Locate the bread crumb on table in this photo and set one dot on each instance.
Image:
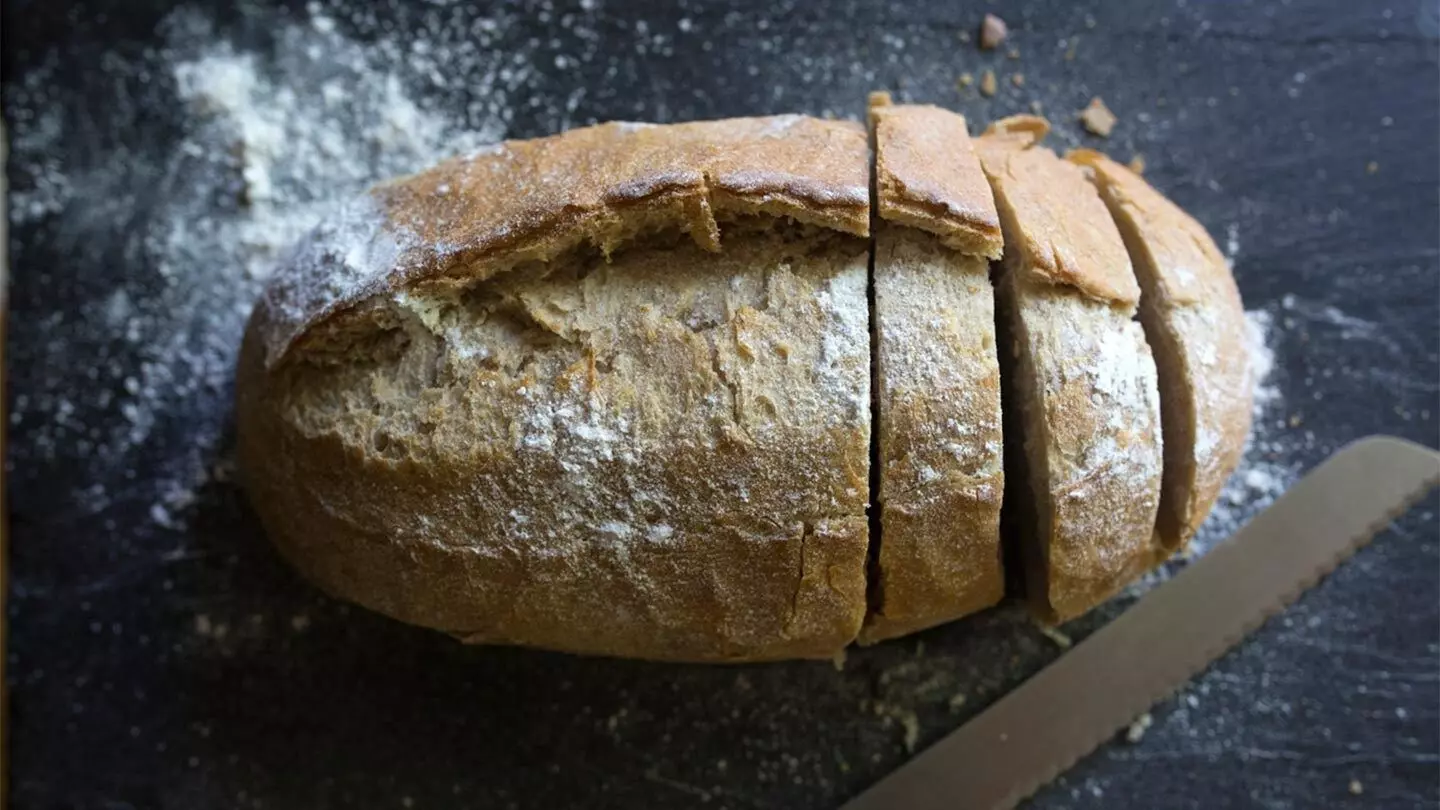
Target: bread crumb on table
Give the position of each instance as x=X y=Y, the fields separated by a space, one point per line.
x=965 y=80
x=1061 y=640
x=1372 y=167
x=987 y=84
x=1098 y=119
x=1137 y=729
x=1137 y=164
x=1356 y=788
x=993 y=31
x=1018 y=79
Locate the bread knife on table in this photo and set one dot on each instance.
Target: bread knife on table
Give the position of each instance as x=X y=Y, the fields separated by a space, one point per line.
x=1072 y=706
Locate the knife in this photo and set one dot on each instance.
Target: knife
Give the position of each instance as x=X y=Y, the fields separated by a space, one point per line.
x=1040 y=729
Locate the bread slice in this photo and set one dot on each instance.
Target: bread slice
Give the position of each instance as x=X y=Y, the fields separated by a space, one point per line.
x=940 y=473
x=1080 y=380
x=1195 y=324
x=605 y=392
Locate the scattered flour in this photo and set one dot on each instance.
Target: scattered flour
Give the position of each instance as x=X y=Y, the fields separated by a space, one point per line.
x=1262 y=475
x=275 y=127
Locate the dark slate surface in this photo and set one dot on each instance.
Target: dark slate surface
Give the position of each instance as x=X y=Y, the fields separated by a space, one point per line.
x=1262 y=120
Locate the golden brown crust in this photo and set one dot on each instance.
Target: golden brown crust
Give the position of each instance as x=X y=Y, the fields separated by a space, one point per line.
x=1195 y=321
x=1066 y=234
x=474 y=217
x=1083 y=379
x=927 y=176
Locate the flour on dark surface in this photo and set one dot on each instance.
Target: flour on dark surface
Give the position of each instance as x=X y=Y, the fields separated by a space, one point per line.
x=161 y=655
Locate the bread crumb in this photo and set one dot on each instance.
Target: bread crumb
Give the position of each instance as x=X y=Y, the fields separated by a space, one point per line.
x=1372 y=167
x=1137 y=164
x=911 y=724
x=987 y=84
x=1137 y=729
x=1036 y=107
x=1017 y=79
x=1061 y=640
x=1070 y=51
x=1098 y=119
x=1013 y=53
x=965 y=80
x=1356 y=788
x=299 y=622
x=957 y=701
x=993 y=31
x=965 y=36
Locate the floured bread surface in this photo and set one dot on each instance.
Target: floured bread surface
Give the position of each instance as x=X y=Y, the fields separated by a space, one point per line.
x=1196 y=324
x=605 y=392
x=1082 y=377
x=662 y=456
x=940 y=478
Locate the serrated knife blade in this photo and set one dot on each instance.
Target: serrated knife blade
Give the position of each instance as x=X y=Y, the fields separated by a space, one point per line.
x=1040 y=729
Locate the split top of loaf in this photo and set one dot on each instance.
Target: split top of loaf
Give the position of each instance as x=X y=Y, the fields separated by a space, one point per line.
x=476 y=217
x=658 y=391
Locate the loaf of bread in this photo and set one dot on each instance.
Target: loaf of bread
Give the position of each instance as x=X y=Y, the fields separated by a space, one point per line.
x=611 y=391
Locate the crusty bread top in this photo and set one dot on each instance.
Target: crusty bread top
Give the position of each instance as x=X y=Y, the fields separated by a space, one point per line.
x=1067 y=236
x=476 y=216
x=927 y=176
x=1192 y=270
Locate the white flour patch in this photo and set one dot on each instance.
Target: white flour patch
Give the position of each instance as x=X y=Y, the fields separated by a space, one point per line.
x=271 y=138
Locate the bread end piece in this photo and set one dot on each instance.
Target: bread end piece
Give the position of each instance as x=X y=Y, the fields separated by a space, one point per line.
x=657 y=448
x=1195 y=323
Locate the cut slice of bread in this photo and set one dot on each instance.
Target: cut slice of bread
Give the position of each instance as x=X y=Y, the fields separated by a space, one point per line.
x=939 y=448
x=1195 y=323
x=1080 y=381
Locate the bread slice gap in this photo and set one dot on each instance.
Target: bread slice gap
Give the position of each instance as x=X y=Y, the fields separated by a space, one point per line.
x=937 y=469
x=1195 y=323
x=1082 y=421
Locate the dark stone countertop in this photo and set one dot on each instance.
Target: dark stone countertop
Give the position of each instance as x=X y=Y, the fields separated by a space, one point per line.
x=161 y=655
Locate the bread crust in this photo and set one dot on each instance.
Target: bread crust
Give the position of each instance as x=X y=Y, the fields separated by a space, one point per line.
x=1193 y=318
x=939 y=438
x=472 y=218
x=1083 y=377
x=928 y=177
x=1063 y=239
x=655 y=453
